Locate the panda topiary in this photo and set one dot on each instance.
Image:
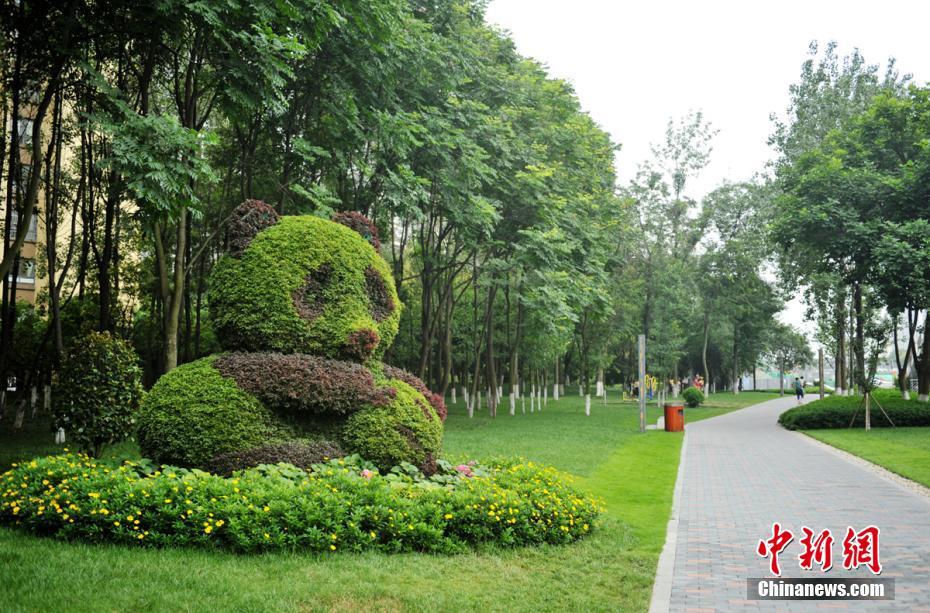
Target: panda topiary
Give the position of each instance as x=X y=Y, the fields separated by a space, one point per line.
x=305 y=308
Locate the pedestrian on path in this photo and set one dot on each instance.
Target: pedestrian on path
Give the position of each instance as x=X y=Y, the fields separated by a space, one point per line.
x=798 y=389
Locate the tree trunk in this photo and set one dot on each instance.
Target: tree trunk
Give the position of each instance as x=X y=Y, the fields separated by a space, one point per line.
x=861 y=375
x=704 y=349
x=173 y=315
x=923 y=371
x=840 y=370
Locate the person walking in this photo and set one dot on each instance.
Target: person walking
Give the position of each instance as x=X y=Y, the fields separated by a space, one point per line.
x=798 y=389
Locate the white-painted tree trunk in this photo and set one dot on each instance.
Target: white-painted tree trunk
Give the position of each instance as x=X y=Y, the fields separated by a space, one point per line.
x=587 y=404
x=513 y=404
x=923 y=397
x=555 y=391
x=467 y=403
x=546 y=396
x=580 y=391
x=532 y=402
x=478 y=401
x=906 y=395
x=453 y=394
x=523 y=404
x=34 y=400
x=20 y=414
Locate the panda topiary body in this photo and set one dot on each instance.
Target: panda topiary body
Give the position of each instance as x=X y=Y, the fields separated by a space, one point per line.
x=306 y=308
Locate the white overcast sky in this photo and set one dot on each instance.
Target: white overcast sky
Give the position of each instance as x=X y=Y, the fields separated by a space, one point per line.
x=636 y=64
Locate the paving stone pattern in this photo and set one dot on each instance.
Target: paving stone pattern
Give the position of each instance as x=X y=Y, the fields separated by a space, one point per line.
x=742 y=472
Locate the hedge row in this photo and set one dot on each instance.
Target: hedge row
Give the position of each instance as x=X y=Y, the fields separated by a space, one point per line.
x=337 y=507
x=838 y=411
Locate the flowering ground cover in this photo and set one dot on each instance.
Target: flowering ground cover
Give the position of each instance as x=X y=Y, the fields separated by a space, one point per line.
x=342 y=504
x=612 y=569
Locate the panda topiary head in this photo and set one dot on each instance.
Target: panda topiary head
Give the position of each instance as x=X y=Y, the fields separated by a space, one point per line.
x=302 y=285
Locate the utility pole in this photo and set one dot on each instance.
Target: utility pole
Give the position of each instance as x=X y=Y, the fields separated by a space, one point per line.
x=642 y=382
x=820 y=359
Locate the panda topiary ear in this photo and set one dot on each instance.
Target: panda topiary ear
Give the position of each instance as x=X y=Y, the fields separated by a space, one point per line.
x=360 y=224
x=249 y=218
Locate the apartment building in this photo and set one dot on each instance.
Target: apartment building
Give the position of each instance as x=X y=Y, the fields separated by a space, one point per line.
x=31 y=278
x=27 y=284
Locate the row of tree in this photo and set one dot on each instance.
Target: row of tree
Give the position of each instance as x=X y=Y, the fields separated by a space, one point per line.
x=520 y=262
x=852 y=224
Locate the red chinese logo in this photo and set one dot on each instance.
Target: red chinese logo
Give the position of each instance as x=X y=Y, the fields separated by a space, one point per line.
x=861 y=549
x=817 y=550
x=774 y=546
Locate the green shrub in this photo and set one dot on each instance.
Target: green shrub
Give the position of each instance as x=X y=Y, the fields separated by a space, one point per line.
x=693 y=397
x=337 y=507
x=306 y=285
x=406 y=430
x=193 y=414
x=97 y=392
x=838 y=411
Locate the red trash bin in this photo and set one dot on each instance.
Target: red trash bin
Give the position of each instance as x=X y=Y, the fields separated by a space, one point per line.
x=674 y=417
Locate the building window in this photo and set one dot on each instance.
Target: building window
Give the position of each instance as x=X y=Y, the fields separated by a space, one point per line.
x=24 y=131
x=25 y=170
x=26 y=272
x=31 y=234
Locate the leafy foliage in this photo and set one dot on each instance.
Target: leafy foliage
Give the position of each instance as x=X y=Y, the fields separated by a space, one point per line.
x=300 y=383
x=406 y=430
x=361 y=224
x=337 y=507
x=302 y=454
x=249 y=218
x=193 y=414
x=98 y=392
x=693 y=397
x=437 y=401
x=838 y=412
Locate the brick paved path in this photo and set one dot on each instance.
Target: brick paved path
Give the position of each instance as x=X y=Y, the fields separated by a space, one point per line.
x=742 y=472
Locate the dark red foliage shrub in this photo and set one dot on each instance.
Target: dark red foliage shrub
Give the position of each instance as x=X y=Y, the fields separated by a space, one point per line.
x=360 y=224
x=302 y=454
x=437 y=401
x=380 y=304
x=249 y=218
x=360 y=344
x=304 y=383
x=309 y=300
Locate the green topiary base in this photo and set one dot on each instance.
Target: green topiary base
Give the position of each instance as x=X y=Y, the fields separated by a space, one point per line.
x=406 y=430
x=235 y=403
x=194 y=414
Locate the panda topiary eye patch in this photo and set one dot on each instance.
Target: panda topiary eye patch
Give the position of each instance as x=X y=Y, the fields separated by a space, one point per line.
x=380 y=303
x=308 y=299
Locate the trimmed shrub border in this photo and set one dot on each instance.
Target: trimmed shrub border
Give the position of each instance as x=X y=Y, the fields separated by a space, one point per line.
x=837 y=412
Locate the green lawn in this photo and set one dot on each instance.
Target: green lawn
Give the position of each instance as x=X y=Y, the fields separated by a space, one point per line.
x=905 y=451
x=613 y=569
